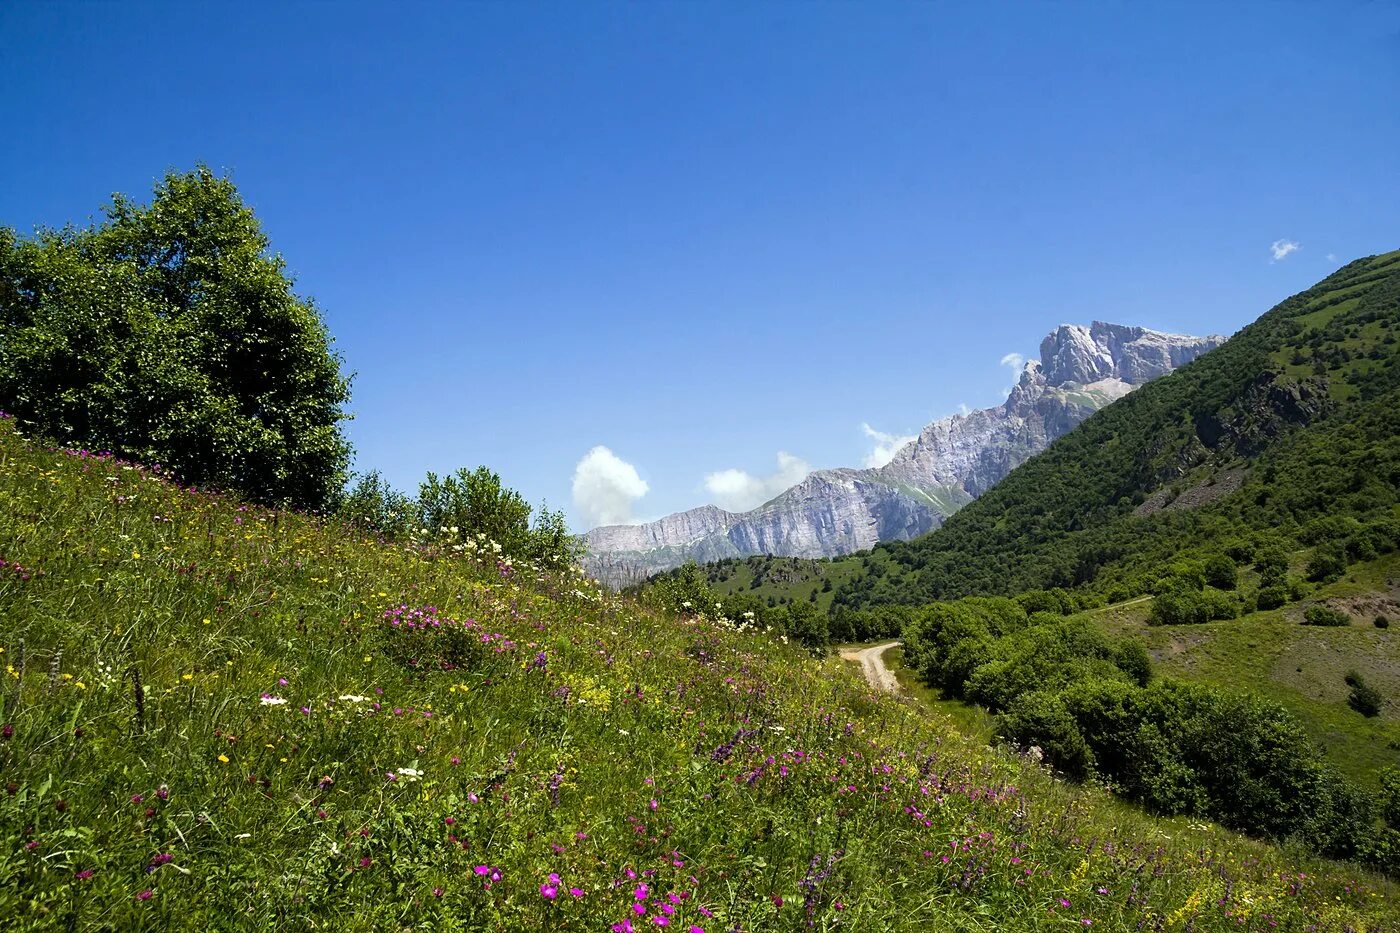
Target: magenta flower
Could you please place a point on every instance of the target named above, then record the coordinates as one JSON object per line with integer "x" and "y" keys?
{"x": 145, "y": 895}
{"x": 550, "y": 890}
{"x": 576, "y": 892}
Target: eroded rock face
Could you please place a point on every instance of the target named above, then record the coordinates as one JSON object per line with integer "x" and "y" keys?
{"x": 951, "y": 462}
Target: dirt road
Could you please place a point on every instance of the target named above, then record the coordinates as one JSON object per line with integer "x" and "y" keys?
{"x": 872, "y": 664}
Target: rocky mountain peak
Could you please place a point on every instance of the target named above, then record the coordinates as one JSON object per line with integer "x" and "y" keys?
{"x": 1085, "y": 355}
{"x": 951, "y": 462}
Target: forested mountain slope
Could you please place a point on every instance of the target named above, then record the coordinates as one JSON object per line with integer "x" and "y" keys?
{"x": 1291, "y": 428}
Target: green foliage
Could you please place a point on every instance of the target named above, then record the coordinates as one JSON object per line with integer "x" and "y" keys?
{"x": 1182, "y": 605}
{"x": 372, "y": 504}
{"x": 1040, "y": 719}
{"x": 1364, "y": 698}
{"x": 476, "y": 507}
{"x": 808, "y": 625}
{"x": 1320, "y": 614}
{"x": 1272, "y": 597}
{"x": 1221, "y": 572}
{"x": 169, "y": 333}
{"x": 1090, "y": 704}
{"x": 1328, "y": 562}
{"x": 1390, "y": 797}
{"x": 1382, "y": 621}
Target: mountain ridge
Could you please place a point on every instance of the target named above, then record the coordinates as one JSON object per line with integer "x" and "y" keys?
{"x": 953, "y": 460}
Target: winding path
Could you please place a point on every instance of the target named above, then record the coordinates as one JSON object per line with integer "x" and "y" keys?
{"x": 872, "y": 664}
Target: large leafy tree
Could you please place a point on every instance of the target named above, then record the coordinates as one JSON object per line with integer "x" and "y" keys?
{"x": 170, "y": 333}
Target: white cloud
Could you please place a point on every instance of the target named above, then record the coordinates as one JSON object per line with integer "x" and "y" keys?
{"x": 886, "y": 445}
{"x": 1331, "y": 257}
{"x": 605, "y": 487}
{"x": 963, "y": 409}
{"x": 1281, "y": 248}
{"x": 739, "y": 491}
{"x": 1014, "y": 360}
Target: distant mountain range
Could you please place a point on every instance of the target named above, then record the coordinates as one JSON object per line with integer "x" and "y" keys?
{"x": 952, "y": 461}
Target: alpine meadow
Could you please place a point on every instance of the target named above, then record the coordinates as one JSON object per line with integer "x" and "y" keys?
{"x": 637, "y": 500}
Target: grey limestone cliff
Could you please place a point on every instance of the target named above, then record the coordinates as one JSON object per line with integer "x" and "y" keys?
{"x": 950, "y": 463}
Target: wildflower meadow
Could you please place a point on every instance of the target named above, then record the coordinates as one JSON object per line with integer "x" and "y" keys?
{"x": 218, "y": 716}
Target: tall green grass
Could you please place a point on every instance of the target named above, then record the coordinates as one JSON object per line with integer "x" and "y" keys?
{"x": 211, "y": 721}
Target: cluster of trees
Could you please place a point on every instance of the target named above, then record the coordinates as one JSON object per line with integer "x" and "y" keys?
{"x": 1092, "y": 706}
{"x": 168, "y": 333}
{"x": 469, "y": 509}
{"x": 687, "y": 590}
{"x": 1313, "y": 447}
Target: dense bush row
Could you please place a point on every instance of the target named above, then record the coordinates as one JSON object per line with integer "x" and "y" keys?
{"x": 467, "y": 511}
{"x": 1091, "y": 707}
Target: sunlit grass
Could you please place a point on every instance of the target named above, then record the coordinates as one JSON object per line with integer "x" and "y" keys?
{"x": 211, "y": 721}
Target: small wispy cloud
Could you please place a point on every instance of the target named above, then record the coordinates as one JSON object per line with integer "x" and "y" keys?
{"x": 886, "y": 445}
{"x": 1014, "y": 360}
{"x": 963, "y": 409}
{"x": 1281, "y": 248}
{"x": 1331, "y": 257}
{"x": 739, "y": 490}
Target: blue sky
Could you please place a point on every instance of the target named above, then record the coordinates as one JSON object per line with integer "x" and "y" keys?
{"x": 704, "y": 235}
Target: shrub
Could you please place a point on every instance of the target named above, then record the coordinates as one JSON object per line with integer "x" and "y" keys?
{"x": 1271, "y": 561}
{"x": 1132, "y": 659}
{"x": 808, "y": 625}
{"x": 1328, "y": 562}
{"x": 1272, "y": 597}
{"x": 1382, "y": 622}
{"x": 1320, "y": 614}
{"x": 1390, "y": 797}
{"x": 1221, "y": 572}
{"x": 1364, "y": 698}
{"x": 1040, "y": 718}
{"x": 373, "y": 505}
{"x": 476, "y": 503}
{"x": 1185, "y": 606}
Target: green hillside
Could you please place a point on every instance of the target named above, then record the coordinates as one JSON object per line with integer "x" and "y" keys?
{"x": 219, "y": 716}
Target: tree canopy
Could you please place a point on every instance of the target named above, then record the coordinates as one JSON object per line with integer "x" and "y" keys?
{"x": 169, "y": 333}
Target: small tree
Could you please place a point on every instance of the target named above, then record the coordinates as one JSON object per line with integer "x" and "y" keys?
{"x": 1221, "y": 572}
{"x": 170, "y": 333}
{"x": 1328, "y": 562}
{"x": 808, "y": 625}
{"x": 1364, "y": 698}
{"x": 374, "y": 505}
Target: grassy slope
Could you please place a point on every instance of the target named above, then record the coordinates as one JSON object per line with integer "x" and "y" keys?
{"x": 784, "y": 578}
{"x": 1263, "y": 651}
{"x": 587, "y": 737}
{"x": 1301, "y": 666}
